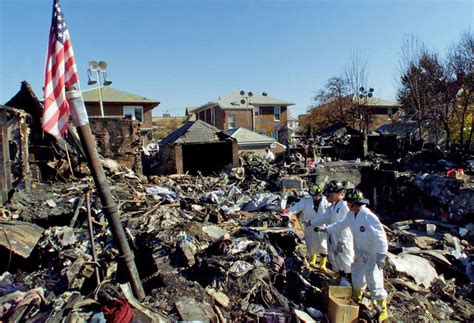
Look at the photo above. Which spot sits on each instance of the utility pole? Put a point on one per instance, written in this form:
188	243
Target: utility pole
109	206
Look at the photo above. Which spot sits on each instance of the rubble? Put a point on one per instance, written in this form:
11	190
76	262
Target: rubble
210	248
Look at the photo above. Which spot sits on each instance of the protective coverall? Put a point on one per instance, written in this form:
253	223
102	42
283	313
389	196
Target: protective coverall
370	242
316	242
341	251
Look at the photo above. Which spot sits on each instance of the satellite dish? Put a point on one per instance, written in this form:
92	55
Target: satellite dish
371	90
242	92
242	101
370	94
92	65
250	93
102	65
361	89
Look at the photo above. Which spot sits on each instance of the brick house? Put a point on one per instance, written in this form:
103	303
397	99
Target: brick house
257	112
121	104
197	147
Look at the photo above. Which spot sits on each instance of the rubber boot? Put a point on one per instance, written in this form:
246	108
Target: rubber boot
312	262
384	313
357	294
322	263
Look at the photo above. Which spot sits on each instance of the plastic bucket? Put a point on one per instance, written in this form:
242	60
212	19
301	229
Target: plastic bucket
430	229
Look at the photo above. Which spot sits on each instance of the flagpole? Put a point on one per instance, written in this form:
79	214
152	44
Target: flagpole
109	206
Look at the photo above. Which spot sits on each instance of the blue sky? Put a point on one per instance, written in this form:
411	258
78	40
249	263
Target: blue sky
185	53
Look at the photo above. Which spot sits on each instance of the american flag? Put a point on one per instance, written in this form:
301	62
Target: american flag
60	72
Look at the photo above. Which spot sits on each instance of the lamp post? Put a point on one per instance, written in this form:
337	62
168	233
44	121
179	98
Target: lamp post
98	68
364	95
246	100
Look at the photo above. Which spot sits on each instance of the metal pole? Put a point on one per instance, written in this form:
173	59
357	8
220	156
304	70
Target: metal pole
91	234
109	208
100	95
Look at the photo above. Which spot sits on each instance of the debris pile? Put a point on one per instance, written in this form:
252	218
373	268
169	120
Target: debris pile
207	248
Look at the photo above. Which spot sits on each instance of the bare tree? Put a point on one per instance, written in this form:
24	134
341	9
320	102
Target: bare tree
356	75
411	93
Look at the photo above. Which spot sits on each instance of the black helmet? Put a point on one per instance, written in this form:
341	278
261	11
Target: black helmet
333	186
315	189
355	196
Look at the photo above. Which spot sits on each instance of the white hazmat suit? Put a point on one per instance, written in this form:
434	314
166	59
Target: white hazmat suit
316	242
370	240
341	251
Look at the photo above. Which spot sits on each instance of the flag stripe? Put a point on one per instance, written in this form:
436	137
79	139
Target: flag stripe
60	71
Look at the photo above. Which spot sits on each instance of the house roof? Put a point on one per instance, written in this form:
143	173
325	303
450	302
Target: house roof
430	133
373	101
235	100
400	128
246	136
382	103
339	129
193	132
112	95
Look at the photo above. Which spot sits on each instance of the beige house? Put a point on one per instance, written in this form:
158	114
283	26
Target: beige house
121	104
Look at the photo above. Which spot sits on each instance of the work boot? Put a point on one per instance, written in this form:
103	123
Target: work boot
312	262
357	294
322	263
383	315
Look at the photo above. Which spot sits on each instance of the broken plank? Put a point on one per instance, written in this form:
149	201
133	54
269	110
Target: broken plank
20	237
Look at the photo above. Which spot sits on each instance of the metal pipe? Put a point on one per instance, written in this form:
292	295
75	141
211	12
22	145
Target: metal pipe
100	94
109	208
91	235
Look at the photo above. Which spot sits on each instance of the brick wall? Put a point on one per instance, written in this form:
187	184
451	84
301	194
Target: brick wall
119	139
93	110
243	118
147	117
171	159
220	118
116	110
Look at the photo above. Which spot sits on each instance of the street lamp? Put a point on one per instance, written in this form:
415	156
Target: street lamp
98	68
246	100
364	95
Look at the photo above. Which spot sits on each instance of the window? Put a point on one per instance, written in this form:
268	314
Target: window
257	112
213	117
232	122
277	113
133	113
275	134
139	114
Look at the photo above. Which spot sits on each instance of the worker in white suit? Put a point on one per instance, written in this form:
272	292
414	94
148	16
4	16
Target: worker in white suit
370	246
313	208
340	246
269	156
